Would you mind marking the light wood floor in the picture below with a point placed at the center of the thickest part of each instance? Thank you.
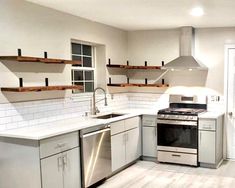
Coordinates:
(145, 174)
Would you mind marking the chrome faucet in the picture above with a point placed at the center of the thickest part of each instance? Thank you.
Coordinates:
(95, 110)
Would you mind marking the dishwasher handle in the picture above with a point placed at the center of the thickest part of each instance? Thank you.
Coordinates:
(96, 132)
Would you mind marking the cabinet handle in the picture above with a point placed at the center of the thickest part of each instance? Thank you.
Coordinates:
(65, 161)
(175, 155)
(59, 163)
(155, 131)
(60, 145)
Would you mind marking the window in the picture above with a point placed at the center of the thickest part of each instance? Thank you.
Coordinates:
(83, 74)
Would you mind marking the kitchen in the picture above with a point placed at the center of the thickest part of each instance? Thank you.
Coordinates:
(89, 98)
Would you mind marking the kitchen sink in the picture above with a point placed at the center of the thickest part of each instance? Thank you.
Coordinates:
(108, 116)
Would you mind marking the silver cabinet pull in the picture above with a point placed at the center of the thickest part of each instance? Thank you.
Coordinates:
(59, 163)
(175, 155)
(60, 145)
(65, 161)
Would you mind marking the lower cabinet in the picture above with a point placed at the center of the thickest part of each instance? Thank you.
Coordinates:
(207, 146)
(118, 147)
(210, 141)
(126, 145)
(61, 170)
(149, 136)
(52, 175)
(48, 163)
(150, 141)
(132, 145)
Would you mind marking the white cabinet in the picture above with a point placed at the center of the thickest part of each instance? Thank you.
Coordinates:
(210, 141)
(118, 146)
(72, 175)
(52, 175)
(125, 145)
(207, 146)
(150, 141)
(60, 168)
(149, 130)
(132, 145)
(47, 163)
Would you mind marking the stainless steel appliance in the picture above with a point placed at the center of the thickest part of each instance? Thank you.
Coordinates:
(96, 154)
(186, 60)
(177, 130)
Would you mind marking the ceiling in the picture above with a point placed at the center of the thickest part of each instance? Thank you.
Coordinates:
(148, 14)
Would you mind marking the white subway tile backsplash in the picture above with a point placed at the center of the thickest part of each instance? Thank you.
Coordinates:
(22, 114)
(32, 113)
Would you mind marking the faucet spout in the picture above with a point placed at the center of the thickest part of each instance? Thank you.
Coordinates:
(94, 108)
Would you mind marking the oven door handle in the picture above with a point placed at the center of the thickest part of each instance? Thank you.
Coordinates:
(174, 122)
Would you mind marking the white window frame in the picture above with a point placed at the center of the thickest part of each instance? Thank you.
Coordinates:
(85, 68)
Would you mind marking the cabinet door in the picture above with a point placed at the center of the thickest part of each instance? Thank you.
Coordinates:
(72, 175)
(133, 148)
(149, 142)
(52, 172)
(207, 147)
(118, 149)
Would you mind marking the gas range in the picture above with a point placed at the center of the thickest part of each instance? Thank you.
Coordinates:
(180, 113)
(177, 130)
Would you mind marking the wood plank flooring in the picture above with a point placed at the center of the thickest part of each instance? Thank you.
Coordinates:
(145, 174)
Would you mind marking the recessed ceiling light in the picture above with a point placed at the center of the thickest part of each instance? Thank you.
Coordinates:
(197, 12)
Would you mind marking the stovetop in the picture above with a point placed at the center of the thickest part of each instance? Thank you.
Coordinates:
(181, 111)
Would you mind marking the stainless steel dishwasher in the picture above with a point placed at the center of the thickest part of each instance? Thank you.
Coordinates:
(96, 154)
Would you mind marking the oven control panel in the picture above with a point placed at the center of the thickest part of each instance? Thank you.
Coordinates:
(177, 117)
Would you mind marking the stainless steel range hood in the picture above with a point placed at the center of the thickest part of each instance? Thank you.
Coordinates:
(186, 60)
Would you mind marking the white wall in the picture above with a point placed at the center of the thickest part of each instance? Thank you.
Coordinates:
(36, 29)
(157, 45)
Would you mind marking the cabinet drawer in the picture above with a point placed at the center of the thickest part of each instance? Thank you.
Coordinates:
(207, 124)
(117, 127)
(150, 121)
(132, 123)
(179, 158)
(58, 144)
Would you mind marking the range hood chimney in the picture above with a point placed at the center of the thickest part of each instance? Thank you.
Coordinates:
(186, 60)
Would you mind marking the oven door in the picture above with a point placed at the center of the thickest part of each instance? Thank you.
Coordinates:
(175, 135)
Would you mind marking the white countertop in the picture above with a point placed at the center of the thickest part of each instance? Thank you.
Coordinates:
(43, 131)
(211, 114)
(55, 128)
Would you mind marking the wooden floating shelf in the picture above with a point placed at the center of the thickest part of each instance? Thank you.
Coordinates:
(138, 85)
(40, 60)
(39, 88)
(133, 67)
